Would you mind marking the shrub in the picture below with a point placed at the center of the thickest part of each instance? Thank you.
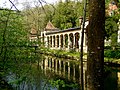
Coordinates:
(112, 53)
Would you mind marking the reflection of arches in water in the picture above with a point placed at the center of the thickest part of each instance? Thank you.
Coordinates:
(54, 64)
(77, 74)
(57, 66)
(66, 70)
(71, 69)
(51, 63)
(63, 68)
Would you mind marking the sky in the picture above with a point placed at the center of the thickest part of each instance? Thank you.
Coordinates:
(21, 3)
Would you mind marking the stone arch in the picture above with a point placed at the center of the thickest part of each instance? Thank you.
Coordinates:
(61, 39)
(43, 39)
(54, 41)
(77, 36)
(66, 40)
(57, 37)
(50, 41)
(71, 40)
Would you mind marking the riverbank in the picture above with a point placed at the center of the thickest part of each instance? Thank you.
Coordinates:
(62, 54)
(73, 55)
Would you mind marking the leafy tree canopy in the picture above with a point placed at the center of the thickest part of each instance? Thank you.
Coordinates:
(67, 14)
(110, 26)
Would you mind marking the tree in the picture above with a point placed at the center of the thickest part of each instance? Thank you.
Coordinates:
(12, 35)
(111, 30)
(111, 26)
(95, 35)
(67, 14)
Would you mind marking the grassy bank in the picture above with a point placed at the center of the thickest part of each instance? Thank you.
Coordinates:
(73, 55)
(62, 54)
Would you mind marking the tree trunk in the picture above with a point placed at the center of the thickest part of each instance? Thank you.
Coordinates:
(95, 35)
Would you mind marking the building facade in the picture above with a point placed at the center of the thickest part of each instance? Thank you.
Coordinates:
(68, 39)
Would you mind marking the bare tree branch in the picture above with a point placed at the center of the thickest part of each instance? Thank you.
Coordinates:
(13, 5)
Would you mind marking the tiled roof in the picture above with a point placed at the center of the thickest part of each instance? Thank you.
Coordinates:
(33, 31)
(49, 26)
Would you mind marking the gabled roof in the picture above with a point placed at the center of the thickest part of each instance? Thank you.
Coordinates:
(33, 31)
(50, 26)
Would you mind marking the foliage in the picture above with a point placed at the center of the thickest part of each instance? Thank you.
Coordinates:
(111, 29)
(37, 17)
(61, 53)
(60, 84)
(63, 15)
(110, 26)
(112, 53)
(15, 50)
(67, 14)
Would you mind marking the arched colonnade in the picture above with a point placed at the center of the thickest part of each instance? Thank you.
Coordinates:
(69, 39)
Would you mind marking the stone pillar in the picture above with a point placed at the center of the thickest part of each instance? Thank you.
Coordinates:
(73, 41)
(46, 41)
(59, 41)
(49, 41)
(84, 44)
(56, 41)
(63, 41)
(69, 42)
(52, 42)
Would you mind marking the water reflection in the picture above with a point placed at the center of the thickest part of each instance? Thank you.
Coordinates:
(37, 76)
(112, 79)
(118, 75)
(49, 70)
(66, 69)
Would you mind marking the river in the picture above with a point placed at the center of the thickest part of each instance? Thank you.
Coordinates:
(52, 73)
